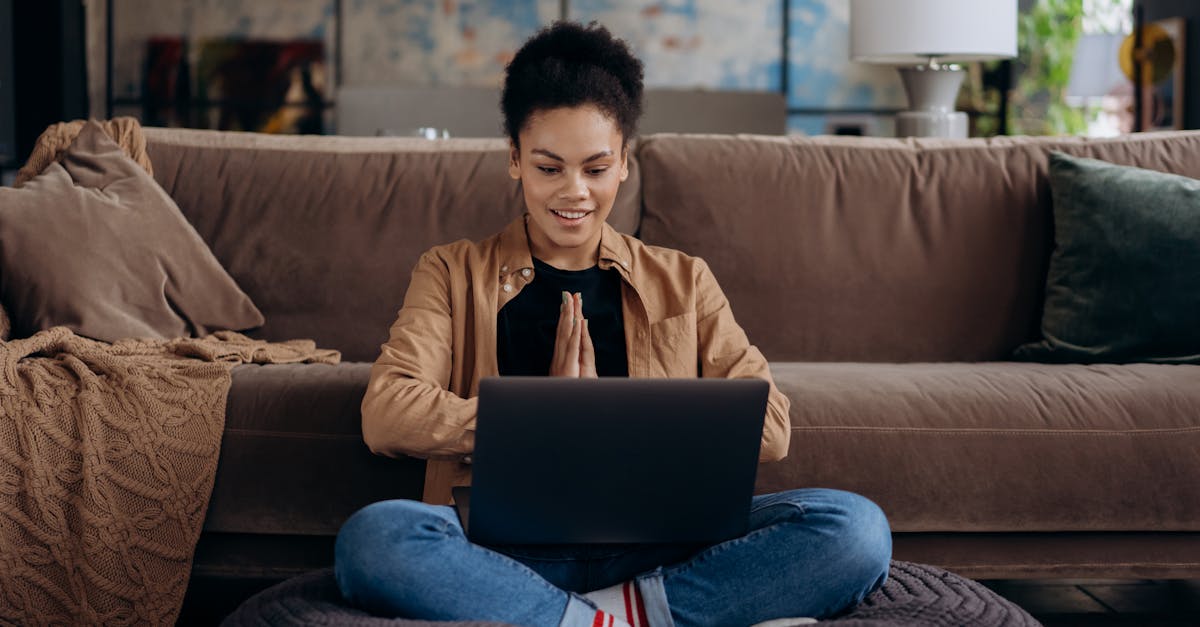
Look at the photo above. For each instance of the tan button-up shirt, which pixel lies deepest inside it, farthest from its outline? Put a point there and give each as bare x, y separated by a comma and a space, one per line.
420, 400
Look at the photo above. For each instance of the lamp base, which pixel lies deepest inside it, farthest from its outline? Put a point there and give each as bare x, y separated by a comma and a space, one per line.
931, 90
951, 124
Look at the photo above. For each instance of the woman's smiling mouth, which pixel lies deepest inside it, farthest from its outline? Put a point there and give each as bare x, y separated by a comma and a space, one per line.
570, 218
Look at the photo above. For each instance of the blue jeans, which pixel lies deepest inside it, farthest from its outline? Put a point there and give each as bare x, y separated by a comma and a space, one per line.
811, 552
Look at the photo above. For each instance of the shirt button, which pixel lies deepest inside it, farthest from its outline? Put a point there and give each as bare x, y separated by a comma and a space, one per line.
525, 272
467, 459
624, 265
507, 287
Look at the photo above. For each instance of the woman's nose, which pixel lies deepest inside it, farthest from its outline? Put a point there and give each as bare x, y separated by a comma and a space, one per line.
575, 187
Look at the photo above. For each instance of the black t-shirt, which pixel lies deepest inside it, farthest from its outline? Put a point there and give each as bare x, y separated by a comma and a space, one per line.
526, 325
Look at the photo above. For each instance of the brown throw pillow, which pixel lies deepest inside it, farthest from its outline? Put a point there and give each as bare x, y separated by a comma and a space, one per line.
93, 243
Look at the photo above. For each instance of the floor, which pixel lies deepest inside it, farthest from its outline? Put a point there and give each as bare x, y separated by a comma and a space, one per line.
208, 601
1105, 602
1054, 602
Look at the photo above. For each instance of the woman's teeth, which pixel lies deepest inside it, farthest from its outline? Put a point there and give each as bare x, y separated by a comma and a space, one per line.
570, 215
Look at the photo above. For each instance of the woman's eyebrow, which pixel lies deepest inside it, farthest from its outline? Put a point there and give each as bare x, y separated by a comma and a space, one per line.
547, 153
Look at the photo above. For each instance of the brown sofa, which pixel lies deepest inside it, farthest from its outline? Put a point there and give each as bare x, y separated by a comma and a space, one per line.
888, 282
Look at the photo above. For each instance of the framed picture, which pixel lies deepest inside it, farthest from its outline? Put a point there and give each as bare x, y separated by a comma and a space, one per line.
1161, 58
262, 86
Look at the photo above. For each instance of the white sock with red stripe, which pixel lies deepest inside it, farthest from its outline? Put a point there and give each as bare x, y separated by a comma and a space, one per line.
604, 619
624, 601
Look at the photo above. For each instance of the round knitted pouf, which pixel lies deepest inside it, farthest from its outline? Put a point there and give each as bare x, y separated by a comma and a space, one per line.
914, 594
917, 594
314, 599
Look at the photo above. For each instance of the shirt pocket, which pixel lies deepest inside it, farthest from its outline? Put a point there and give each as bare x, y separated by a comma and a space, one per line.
673, 345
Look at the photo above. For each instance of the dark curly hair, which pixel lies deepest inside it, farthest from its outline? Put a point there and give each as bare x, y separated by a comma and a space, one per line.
567, 65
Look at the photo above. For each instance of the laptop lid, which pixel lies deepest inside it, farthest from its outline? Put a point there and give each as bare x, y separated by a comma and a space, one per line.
614, 460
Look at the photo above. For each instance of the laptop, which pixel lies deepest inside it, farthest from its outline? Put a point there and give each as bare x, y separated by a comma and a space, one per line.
613, 460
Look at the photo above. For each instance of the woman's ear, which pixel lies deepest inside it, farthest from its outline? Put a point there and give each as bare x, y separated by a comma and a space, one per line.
624, 162
514, 161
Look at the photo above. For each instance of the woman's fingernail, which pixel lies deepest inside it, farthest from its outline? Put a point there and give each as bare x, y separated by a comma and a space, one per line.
566, 298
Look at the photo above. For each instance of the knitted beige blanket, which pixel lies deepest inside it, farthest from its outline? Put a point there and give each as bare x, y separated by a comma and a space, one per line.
54, 141
107, 459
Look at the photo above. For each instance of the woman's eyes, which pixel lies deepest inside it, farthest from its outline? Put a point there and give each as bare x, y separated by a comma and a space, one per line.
551, 170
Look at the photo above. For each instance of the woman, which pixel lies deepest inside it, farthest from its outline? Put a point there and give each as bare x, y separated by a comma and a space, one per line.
560, 292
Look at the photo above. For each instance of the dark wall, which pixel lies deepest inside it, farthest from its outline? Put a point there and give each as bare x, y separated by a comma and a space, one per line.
8, 139
1162, 9
49, 66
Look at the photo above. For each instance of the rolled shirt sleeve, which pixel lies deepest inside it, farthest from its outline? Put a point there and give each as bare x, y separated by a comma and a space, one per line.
726, 352
408, 408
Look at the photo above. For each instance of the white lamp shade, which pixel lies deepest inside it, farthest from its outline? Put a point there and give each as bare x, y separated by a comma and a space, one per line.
909, 32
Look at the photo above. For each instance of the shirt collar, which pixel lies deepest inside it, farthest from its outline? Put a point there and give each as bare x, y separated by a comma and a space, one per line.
514, 247
515, 255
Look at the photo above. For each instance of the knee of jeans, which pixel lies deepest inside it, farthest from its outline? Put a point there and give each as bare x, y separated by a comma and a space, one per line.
387, 522
377, 530
868, 539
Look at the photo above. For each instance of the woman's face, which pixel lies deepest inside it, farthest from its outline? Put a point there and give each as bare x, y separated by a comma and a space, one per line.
570, 164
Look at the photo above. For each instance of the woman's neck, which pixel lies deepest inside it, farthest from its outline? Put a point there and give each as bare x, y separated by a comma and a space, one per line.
566, 258
563, 258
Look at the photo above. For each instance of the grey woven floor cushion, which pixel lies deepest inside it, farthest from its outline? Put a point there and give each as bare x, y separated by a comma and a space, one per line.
917, 594
313, 599
914, 594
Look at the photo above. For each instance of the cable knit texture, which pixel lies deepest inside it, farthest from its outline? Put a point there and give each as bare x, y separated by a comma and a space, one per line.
107, 459
57, 138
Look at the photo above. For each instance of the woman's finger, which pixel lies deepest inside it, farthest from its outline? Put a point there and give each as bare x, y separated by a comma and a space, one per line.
564, 363
572, 352
566, 317
587, 353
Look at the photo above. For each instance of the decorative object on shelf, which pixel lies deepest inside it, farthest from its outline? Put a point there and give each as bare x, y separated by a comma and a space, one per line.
263, 86
924, 38
166, 84
236, 84
1158, 48
431, 132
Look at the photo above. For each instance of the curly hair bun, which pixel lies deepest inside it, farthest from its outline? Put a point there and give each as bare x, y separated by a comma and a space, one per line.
568, 65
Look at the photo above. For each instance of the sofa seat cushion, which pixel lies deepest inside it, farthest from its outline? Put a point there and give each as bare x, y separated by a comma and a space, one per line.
999, 446
292, 457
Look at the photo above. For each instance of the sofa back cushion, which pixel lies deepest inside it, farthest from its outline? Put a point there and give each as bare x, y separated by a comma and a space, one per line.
852, 249
323, 232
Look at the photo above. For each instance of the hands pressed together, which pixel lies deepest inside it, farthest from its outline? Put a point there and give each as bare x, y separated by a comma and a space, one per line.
574, 355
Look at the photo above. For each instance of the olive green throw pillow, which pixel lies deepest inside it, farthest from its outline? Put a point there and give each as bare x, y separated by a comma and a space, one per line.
1124, 277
